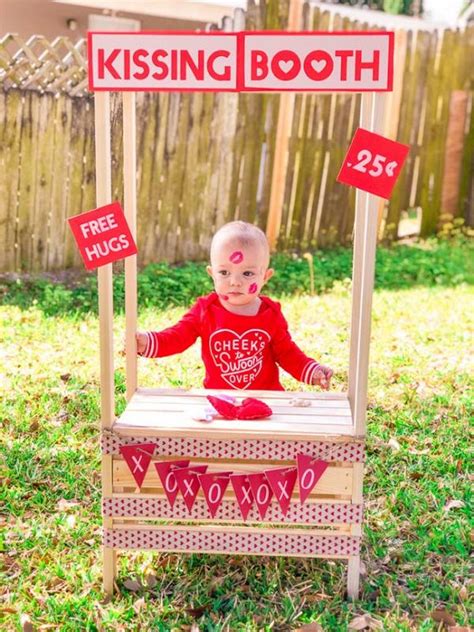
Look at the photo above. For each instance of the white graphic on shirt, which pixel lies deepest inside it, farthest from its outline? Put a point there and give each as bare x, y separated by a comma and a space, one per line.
239, 357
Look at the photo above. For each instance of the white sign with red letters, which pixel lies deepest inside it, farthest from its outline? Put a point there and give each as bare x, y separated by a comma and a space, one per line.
328, 62
162, 61
241, 62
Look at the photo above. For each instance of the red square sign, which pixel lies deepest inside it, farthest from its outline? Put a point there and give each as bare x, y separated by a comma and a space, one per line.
103, 235
373, 163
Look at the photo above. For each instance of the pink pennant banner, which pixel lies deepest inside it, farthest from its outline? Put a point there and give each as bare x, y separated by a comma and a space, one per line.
261, 490
214, 486
138, 459
167, 477
188, 482
310, 471
243, 493
282, 481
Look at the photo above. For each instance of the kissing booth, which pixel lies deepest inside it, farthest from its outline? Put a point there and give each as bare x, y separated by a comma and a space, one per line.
312, 448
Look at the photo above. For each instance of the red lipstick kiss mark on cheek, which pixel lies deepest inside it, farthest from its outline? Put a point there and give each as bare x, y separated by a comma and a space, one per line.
224, 297
253, 287
236, 257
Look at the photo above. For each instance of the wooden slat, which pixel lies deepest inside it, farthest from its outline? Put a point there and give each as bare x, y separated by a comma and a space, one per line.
319, 405
236, 393
304, 414
327, 431
180, 418
241, 540
341, 515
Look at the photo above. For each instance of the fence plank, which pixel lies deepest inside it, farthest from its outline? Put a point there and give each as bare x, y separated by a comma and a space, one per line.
11, 114
29, 149
43, 186
57, 222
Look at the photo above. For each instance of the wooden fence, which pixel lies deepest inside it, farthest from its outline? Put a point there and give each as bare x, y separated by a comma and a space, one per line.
207, 158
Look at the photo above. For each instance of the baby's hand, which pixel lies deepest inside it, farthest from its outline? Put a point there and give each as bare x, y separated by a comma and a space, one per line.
322, 377
141, 339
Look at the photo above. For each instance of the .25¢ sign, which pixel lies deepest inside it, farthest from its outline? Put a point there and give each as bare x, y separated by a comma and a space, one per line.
373, 163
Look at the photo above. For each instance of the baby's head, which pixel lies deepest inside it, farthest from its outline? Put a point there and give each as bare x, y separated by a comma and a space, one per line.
239, 262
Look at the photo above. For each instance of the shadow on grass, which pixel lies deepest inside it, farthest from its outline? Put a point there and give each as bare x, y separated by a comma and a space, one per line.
431, 263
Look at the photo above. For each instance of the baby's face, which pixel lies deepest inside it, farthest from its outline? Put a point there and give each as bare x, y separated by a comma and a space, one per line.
239, 272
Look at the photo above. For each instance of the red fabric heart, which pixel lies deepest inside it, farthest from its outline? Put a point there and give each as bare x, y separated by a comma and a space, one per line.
224, 408
250, 408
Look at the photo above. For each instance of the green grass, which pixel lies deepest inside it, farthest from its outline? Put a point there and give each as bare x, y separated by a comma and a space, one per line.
416, 541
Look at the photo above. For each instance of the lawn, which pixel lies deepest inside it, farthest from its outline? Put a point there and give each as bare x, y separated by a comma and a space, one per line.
417, 485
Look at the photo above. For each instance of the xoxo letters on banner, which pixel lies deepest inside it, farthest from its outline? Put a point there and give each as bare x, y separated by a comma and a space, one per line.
214, 486
259, 487
138, 459
188, 483
168, 479
282, 481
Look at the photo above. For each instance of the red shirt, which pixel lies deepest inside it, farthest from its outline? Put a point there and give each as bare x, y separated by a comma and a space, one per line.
241, 352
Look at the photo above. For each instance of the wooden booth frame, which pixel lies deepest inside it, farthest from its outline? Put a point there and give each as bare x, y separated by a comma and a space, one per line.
333, 427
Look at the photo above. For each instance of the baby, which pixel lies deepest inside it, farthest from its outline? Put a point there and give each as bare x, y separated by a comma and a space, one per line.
244, 335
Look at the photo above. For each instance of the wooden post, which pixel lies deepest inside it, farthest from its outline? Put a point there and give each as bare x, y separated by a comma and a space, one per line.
106, 312
280, 160
365, 242
130, 208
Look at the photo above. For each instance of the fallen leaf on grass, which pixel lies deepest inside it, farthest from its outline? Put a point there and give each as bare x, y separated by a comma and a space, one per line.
441, 615
453, 504
66, 505
26, 624
365, 621
393, 443
310, 627
139, 605
132, 584
463, 593
315, 597
198, 611
151, 580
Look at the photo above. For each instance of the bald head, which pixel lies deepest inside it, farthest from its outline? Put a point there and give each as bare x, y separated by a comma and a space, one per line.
241, 234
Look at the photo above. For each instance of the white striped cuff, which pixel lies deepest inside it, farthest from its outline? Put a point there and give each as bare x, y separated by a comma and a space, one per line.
308, 372
151, 349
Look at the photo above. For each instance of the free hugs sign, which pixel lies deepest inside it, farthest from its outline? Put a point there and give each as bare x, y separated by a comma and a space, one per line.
254, 61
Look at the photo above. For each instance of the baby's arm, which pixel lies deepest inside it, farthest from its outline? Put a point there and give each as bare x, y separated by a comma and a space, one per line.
293, 360
175, 339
